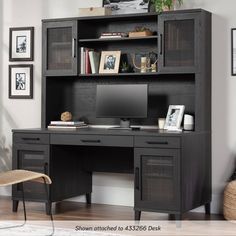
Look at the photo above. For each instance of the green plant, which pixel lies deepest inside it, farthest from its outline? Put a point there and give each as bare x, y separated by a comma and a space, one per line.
161, 4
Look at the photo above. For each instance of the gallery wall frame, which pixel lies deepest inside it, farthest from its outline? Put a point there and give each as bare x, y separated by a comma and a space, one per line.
233, 51
21, 81
21, 44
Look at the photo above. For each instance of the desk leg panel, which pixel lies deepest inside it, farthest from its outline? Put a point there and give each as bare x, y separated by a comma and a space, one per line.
70, 179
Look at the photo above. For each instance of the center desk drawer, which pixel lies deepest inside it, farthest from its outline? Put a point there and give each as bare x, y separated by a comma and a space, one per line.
31, 138
158, 142
92, 140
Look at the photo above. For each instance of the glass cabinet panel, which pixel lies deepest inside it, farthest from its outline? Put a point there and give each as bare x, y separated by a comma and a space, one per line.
59, 48
157, 179
179, 43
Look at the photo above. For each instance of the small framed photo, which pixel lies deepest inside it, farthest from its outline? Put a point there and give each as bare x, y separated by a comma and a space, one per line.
21, 81
110, 62
174, 117
21, 44
233, 52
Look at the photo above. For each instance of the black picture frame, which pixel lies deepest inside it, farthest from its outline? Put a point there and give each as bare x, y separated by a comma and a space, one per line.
19, 48
26, 73
233, 51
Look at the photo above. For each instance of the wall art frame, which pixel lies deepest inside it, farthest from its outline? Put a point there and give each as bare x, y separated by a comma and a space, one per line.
21, 81
21, 44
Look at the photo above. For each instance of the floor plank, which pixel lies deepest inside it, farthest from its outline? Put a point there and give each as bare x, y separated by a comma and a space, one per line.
68, 210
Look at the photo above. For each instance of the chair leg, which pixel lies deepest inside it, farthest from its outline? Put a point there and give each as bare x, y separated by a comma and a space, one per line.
23, 199
49, 204
25, 218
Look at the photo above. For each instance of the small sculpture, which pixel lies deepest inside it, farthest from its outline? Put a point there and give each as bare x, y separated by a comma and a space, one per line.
66, 116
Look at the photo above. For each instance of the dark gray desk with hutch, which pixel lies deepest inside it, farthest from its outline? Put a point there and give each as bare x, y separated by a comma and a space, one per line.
172, 171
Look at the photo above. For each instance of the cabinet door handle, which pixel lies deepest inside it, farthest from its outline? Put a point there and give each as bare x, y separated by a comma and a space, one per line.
31, 139
73, 47
137, 178
160, 143
90, 141
161, 44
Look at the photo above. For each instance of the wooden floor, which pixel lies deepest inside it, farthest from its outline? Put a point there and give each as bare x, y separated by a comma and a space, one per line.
68, 210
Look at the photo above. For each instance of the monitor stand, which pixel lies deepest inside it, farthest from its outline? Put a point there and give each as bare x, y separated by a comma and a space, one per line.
124, 125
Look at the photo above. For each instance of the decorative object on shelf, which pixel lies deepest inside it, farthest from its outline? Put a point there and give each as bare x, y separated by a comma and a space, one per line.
163, 5
140, 32
66, 116
110, 61
188, 122
125, 67
95, 11
161, 123
21, 44
126, 6
233, 51
145, 63
230, 201
174, 117
21, 81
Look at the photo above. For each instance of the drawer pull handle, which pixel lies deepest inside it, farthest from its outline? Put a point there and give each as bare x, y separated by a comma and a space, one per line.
31, 139
158, 143
90, 141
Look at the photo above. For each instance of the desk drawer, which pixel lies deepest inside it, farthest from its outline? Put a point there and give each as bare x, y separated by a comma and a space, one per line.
32, 138
92, 140
158, 142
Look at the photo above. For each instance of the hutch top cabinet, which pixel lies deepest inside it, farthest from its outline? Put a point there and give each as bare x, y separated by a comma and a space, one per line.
181, 43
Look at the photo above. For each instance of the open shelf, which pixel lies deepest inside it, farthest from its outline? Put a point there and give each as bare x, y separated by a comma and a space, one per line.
119, 75
153, 37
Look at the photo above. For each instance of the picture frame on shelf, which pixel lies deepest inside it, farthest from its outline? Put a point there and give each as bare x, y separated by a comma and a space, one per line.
233, 51
21, 81
21, 44
109, 62
174, 117
127, 6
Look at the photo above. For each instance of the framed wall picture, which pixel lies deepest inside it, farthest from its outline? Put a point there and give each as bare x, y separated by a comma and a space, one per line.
21, 81
233, 51
127, 6
174, 117
110, 62
21, 44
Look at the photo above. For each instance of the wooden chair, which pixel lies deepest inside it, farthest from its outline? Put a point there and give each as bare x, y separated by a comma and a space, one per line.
19, 177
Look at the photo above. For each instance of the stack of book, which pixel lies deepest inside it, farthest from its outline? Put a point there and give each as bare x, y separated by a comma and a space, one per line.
70, 125
113, 35
89, 61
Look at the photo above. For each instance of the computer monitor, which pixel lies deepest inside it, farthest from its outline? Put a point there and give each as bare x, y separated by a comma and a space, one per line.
124, 101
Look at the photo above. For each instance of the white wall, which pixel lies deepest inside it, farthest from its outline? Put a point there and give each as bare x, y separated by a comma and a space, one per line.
117, 189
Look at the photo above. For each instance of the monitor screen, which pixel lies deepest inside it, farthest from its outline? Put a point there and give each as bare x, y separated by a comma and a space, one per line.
122, 101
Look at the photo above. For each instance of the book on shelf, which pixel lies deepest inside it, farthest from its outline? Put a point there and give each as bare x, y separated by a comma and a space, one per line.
67, 123
94, 58
89, 61
66, 127
82, 68
113, 35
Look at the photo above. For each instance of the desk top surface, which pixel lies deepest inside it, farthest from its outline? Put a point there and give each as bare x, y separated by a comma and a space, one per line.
106, 131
